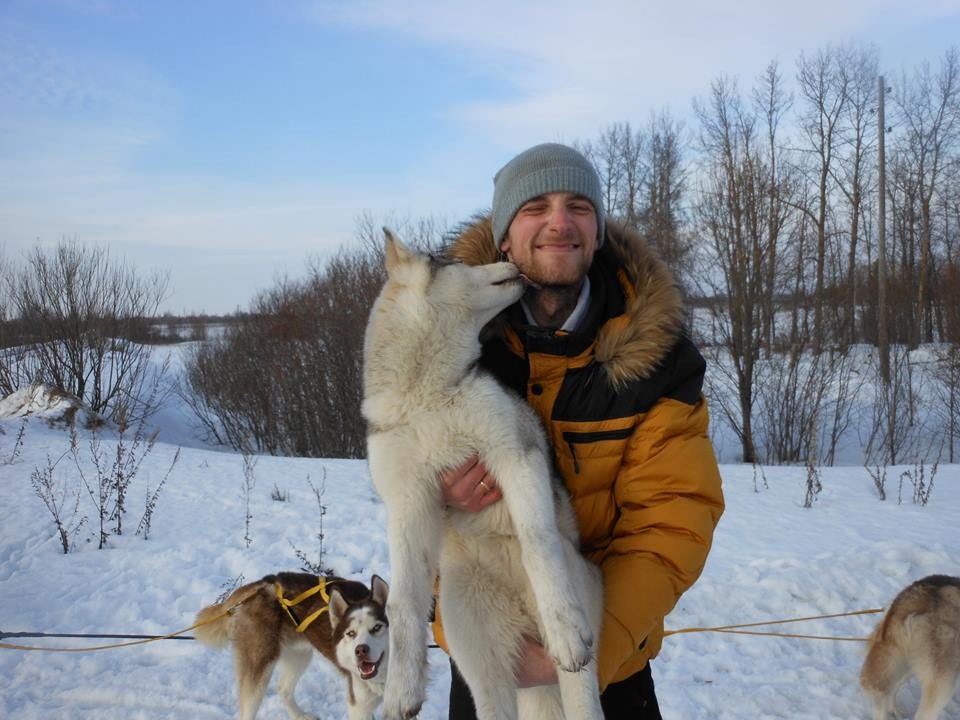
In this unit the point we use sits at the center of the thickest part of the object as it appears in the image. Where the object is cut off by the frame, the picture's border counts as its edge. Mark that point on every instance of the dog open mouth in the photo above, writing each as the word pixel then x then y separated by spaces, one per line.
pixel 369 670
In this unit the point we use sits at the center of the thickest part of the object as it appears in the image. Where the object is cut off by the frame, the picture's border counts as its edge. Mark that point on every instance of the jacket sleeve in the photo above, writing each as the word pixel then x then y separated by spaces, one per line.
pixel 669 500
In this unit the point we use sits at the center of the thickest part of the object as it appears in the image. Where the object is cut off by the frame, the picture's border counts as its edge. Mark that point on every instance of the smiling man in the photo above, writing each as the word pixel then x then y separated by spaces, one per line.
pixel 597 348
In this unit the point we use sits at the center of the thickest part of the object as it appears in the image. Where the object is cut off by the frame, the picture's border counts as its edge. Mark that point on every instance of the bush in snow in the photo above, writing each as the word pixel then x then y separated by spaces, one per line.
pixel 286 379
pixel 80 317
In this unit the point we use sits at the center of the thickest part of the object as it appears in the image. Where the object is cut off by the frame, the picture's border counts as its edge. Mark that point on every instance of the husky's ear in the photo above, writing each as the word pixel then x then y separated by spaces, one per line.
pixel 337 608
pixel 395 251
pixel 379 589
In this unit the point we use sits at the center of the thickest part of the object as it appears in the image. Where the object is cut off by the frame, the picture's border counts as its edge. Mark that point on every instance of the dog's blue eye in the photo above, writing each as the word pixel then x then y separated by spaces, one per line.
pixel 377 628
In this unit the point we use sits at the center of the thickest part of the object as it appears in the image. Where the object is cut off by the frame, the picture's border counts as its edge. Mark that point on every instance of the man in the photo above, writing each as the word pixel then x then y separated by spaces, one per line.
pixel 596 346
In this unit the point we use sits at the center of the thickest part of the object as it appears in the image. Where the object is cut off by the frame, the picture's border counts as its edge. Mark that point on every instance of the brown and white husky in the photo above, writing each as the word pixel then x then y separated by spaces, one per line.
pixel 350 630
pixel 919 635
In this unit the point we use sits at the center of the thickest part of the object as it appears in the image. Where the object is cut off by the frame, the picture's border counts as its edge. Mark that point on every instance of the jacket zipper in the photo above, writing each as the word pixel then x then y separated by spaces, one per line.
pixel 595 436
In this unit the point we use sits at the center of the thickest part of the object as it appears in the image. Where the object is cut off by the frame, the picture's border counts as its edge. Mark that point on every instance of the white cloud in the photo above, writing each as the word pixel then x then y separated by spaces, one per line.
pixel 576 67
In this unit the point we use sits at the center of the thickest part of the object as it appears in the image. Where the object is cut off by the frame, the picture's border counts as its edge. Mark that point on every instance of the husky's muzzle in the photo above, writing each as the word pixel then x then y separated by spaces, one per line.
pixel 368 670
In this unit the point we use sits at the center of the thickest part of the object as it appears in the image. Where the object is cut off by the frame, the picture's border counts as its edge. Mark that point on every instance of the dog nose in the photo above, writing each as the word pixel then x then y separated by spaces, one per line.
pixel 362 651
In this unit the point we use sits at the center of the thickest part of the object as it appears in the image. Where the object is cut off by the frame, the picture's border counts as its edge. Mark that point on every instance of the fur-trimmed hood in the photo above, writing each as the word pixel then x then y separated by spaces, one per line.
pixel 631 345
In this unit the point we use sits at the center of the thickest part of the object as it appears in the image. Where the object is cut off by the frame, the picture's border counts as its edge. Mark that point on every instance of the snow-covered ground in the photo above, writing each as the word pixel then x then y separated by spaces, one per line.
pixel 772 559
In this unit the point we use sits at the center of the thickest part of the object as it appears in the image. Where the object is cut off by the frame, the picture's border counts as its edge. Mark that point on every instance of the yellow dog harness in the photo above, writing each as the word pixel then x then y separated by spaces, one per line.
pixel 321 588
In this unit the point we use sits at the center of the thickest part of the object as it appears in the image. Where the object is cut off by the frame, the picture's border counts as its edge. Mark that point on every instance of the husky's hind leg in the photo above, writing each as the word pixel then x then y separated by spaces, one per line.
pixel 294 660
pixel 483 625
pixel 415 520
pixel 539 703
pixel 937 687
pixel 884 670
pixel 252 681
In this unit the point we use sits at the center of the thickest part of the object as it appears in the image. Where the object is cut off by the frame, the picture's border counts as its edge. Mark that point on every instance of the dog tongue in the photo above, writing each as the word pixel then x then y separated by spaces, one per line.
pixel 367 669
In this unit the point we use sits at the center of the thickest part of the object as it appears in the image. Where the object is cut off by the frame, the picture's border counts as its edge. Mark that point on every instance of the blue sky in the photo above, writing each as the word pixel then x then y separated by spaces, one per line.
pixel 228 142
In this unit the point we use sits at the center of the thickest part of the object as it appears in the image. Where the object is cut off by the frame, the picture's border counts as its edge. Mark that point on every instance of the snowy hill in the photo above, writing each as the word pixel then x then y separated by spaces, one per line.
pixel 54 406
pixel 772 559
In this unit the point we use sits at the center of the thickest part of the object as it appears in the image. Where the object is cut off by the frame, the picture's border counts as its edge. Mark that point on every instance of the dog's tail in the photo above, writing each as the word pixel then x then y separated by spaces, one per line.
pixel 213 622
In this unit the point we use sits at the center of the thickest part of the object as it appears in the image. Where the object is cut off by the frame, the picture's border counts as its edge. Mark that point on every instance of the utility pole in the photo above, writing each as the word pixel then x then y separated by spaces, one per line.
pixel 883 341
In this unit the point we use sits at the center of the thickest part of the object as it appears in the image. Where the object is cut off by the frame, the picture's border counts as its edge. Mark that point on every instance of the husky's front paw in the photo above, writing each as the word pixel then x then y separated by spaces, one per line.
pixel 569 641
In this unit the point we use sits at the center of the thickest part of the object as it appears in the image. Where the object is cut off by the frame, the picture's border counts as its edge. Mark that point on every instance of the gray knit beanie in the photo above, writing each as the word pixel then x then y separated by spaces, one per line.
pixel 543 169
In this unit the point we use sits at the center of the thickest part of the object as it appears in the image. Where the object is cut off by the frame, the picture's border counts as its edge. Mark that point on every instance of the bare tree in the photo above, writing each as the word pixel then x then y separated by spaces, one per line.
pixel 853 174
pixel 928 107
pixel 664 185
pixel 606 154
pixel 733 211
pixel 619 157
pixel 824 89
pixel 772 102
pixel 16 368
pixel 87 311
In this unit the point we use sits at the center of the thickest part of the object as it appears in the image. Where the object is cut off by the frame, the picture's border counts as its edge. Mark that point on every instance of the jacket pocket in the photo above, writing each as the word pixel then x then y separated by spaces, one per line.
pixel 574 438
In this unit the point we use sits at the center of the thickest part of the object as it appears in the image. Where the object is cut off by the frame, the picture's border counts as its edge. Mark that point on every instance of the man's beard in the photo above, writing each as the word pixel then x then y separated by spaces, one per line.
pixel 558 280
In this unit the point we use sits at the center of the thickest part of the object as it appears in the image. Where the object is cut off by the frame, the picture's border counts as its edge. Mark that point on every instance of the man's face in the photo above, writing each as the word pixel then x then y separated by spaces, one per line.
pixel 552 238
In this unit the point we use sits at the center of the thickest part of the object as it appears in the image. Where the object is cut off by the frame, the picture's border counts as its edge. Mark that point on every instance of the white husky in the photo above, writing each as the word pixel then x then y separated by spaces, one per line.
pixel 512 569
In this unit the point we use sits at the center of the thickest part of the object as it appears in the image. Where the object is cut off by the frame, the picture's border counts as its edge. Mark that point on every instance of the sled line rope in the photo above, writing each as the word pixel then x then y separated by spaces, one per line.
pixel 145 638
pixel 738 629
pixel 5 635
pixel 730 629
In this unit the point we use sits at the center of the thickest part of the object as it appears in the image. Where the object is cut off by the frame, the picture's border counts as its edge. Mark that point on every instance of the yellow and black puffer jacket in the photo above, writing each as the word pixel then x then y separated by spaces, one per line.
pixel 622 407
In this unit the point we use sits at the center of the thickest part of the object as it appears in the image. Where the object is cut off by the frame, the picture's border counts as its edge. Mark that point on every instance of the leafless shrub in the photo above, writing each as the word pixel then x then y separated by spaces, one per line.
pixel 878 474
pixel 17 444
pixel 759 474
pixel 316 567
pixel 287 378
pixel 789 392
pixel 805 400
pixel 845 380
pixel 61 499
pixel 146 520
pixel 921 485
pixel 279 495
pixel 249 482
pixel 228 586
pixel 813 486
pixel 894 429
pixel 114 470
pixel 100 489
pixel 947 389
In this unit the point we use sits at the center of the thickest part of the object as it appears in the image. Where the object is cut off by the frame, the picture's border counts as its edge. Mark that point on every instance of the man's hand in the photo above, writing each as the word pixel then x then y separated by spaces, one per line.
pixel 534 666
pixel 469 486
